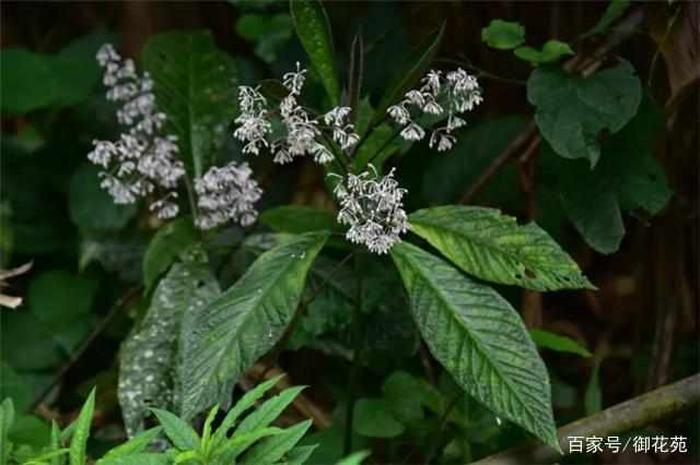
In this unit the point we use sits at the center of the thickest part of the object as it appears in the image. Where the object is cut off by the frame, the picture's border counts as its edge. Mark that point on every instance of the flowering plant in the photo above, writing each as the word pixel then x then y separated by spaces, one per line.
pixel 196 340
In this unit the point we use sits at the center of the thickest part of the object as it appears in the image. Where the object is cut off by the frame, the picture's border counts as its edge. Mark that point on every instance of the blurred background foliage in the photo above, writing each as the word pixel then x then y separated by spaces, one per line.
pixel 83 291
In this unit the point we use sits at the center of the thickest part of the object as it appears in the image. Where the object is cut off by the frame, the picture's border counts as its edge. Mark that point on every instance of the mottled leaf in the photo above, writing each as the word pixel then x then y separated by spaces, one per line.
pixel 149 355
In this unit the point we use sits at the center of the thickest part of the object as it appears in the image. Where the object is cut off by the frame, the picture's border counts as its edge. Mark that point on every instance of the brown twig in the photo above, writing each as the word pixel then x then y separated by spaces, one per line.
pixel 634 413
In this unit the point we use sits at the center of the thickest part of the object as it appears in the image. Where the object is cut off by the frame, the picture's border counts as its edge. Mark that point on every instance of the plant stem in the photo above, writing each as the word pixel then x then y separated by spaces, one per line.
pixel 640 411
pixel 356 336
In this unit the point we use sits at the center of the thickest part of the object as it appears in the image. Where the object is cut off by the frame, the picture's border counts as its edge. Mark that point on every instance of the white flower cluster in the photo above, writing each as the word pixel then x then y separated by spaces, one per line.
pixel 454 93
pixel 373 208
pixel 225 194
pixel 303 133
pixel 142 161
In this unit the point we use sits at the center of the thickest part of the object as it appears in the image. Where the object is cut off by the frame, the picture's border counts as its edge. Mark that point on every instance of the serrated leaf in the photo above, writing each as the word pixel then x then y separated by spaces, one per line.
pixel 149 355
pixel 78 442
pixel 194 86
pixel 503 35
pixel 494 247
pixel 167 243
pixel 133 446
pixel 313 29
pixel 273 448
pixel 552 50
pixel 178 431
pixel 480 339
pixel 556 342
pixel 571 111
pixel 411 72
pixel 238 444
pixel 373 418
pixel 298 219
pixel 227 336
pixel 268 411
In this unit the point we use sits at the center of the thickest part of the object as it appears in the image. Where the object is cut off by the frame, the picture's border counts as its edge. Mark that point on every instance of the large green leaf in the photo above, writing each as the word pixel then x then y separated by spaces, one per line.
pixel 480 340
pixel 226 337
pixel 313 29
pixel 31 81
pixel 571 111
pixel 149 355
pixel 194 86
pixel 372 417
pixel 494 247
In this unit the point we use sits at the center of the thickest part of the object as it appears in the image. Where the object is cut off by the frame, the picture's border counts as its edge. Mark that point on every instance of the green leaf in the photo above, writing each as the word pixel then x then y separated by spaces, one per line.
pixel 313 29
pixel 356 458
pixel 373 418
pixel 194 86
pixel 503 35
pixel 552 341
pixel 552 50
pixel 91 207
pixel 164 248
pixel 63 301
pixel 614 10
pixel 273 448
pixel 244 403
pixel 571 111
pixel 480 339
pixel 270 33
pixel 31 81
pixel 405 396
pixel 149 355
pixel 78 442
pixel 178 431
pixel 593 397
pixel 494 247
pixel 410 73
pixel 40 352
pixel 55 442
pixel 227 336
pixel 299 455
pixel 298 219
pixel 268 411
pixel 143 458
pixel 594 210
pixel 133 446
pixel 7 419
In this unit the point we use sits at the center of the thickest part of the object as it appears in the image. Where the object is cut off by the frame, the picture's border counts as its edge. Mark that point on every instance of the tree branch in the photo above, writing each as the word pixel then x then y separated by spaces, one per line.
pixel 634 413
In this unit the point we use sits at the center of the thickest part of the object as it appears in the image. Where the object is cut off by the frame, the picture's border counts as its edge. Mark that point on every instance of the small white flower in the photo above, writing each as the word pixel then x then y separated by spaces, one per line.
pixel 226 194
pixel 294 80
pixel 373 209
pixel 399 114
pixel 456 92
pixel 141 161
pixel 321 154
pixel 413 132
pixel 444 141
